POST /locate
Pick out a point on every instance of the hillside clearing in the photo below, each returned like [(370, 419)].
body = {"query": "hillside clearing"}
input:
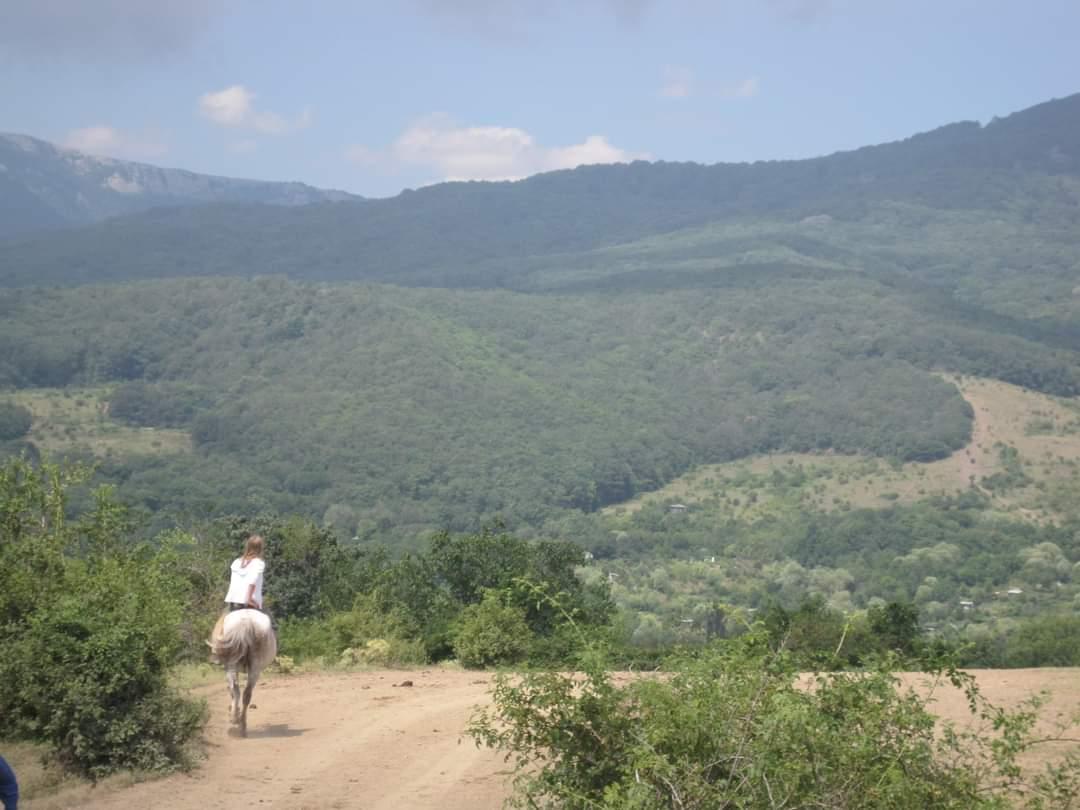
[(1032, 483), (74, 419)]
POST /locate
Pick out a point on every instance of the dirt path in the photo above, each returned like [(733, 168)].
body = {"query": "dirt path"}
[(333, 741), (358, 741), (978, 459)]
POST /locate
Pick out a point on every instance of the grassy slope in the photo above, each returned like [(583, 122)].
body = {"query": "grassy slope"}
[(76, 419), (1044, 430)]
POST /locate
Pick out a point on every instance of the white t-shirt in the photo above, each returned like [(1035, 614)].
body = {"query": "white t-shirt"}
[(243, 577)]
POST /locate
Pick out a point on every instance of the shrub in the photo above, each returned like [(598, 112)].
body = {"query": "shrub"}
[(380, 652), (491, 633), (88, 675), (737, 727), (88, 637), (365, 634), (15, 421), (154, 405), (1041, 641), (285, 665)]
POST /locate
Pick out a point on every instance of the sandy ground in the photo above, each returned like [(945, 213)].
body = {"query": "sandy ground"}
[(332, 741), (358, 740)]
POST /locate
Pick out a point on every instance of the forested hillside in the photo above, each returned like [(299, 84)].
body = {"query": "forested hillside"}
[(419, 409), (536, 351)]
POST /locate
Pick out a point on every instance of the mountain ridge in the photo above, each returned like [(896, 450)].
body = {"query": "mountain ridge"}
[(475, 234), (44, 186)]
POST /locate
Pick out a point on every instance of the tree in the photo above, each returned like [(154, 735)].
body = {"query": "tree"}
[(896, 627), (15, 421), (471, 564), (491, 633)]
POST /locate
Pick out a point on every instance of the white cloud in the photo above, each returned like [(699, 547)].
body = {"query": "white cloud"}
[(234, 107), (747, 88), (111, 142), (229, 107), (485, 153), (594, 149), (678, 82)]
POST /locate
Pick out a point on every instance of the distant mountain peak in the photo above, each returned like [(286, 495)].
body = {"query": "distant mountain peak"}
[(45, 185)]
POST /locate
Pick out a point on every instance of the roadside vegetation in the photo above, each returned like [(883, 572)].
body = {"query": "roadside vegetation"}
[(94, 620), (739, 725)]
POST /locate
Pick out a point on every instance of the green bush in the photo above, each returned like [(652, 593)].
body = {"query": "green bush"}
[(353, 632), (381, 652), (491, 633), (90, 629), (307, 639), (15, 421), (1041, 641), (88, 675), (737, 726), (155, 405)]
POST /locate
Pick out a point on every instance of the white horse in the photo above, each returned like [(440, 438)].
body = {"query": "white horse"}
[(244, 640)]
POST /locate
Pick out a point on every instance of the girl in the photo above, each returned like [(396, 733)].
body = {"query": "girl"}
[(245, 584)]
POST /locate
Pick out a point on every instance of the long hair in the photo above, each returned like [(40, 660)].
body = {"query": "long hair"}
[(253, 547), (244, 639)]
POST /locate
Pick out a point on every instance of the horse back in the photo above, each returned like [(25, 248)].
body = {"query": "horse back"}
[(244, 639)]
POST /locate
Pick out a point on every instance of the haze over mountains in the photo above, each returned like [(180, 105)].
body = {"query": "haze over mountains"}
[(43, 186), (459, 234)]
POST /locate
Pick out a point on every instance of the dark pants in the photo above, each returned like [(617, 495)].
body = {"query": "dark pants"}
[(236, 606), (9, 788)]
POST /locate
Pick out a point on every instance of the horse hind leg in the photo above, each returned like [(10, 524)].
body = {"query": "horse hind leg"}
[(249, 690), (233, 680)]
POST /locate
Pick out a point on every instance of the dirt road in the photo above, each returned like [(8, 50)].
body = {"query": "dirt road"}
[(332, 741), (357, 740)]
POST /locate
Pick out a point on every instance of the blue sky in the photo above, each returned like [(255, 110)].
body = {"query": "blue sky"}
[(374, 97)]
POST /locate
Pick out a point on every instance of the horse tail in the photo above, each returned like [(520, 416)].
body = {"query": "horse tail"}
[(244, 643), (230, 646)]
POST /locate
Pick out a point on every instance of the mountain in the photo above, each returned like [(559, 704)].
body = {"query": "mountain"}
[(857, 374), (475, 234), (43, 186)]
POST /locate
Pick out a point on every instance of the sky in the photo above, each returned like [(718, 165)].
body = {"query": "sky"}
[(374, 97)]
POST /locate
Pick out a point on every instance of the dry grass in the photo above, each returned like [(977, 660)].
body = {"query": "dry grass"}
[(35, 777), (1044, 430), (1009, 688), (70, 419)]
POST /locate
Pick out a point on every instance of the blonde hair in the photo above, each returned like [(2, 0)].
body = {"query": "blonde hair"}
[(253, 547)]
